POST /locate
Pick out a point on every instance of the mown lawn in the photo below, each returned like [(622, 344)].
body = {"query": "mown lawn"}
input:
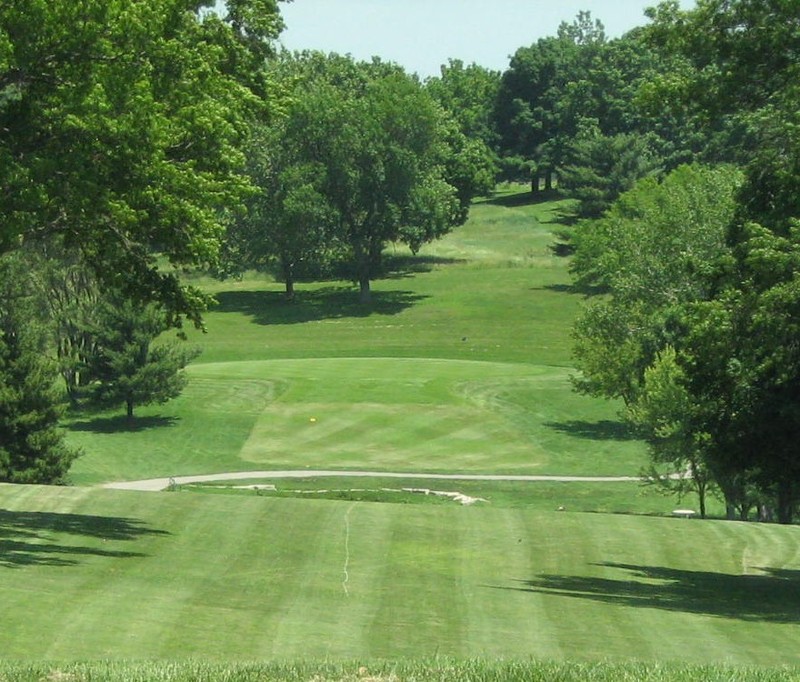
[(94, 574)]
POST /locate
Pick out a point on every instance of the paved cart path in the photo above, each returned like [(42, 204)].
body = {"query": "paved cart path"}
[(156, 484)]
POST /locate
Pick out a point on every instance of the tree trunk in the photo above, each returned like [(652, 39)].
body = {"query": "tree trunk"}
[(785, 501), (287, 270), (548, 180), (701, 496), (366, 292), (129, 407), (534, 183)]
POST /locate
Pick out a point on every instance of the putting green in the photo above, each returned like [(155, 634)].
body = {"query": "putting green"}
[(418, 415)]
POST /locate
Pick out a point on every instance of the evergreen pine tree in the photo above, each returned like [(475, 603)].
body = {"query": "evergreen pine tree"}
[(126, 366), (32, 448)]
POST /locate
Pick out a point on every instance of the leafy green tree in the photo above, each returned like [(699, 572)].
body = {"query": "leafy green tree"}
[(738, 80), (729, 59), (526, 112), (746, 367), (122, 125), (599, 168), (655, 254), (68, 293), (741, 52), (771, 195), (381, 141), (289, 225), (666, 414), (32, 447), (557, 84), (468, 93), (469, 166), (128, 366)]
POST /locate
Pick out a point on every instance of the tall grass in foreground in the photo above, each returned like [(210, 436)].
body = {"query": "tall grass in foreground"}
[(436, 670)]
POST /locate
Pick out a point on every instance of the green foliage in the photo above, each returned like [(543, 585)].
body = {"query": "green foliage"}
[(660, 241), (32, 447), (743, 367), (771, 195), (656, 252), (741, 52), (730, 60), (467, 93), (122, 125), (552, 88), (125, 365), (289, 225), (667, 416), (599, 168), (379, 143), (68, 293)]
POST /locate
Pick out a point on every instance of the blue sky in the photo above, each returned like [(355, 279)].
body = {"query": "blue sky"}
[(421, 35)]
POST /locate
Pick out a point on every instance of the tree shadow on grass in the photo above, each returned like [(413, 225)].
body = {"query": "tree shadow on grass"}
[(401, 265), (47, 538), (557, 288), (268, 307), (772, 595), (523, 198), (605, 429), (121, 424)]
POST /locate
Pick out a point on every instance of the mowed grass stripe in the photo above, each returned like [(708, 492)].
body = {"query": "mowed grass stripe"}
[(497, 626), (169, 575), (421, 609), (312, 613)]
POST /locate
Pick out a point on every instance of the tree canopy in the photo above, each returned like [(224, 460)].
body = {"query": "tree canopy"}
[(364, 157), (122, 130)]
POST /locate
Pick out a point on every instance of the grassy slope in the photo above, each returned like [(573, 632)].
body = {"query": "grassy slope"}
[(96, 574), (462, 365)]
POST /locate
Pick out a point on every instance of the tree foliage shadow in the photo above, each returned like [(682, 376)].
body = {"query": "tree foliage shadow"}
[(269, 307), (558, 288), (36, 538), (401, 265), (605, 429), (121, 424), (772, 596), (526, 198)]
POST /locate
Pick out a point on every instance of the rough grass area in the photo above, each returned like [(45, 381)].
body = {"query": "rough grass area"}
[(607, 497), (434, 670)]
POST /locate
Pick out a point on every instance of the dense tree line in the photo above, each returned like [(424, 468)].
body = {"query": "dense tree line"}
[(698, 333)]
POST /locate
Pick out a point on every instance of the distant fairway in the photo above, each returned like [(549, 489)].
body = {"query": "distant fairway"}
[(94, 574), (460, 365)]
